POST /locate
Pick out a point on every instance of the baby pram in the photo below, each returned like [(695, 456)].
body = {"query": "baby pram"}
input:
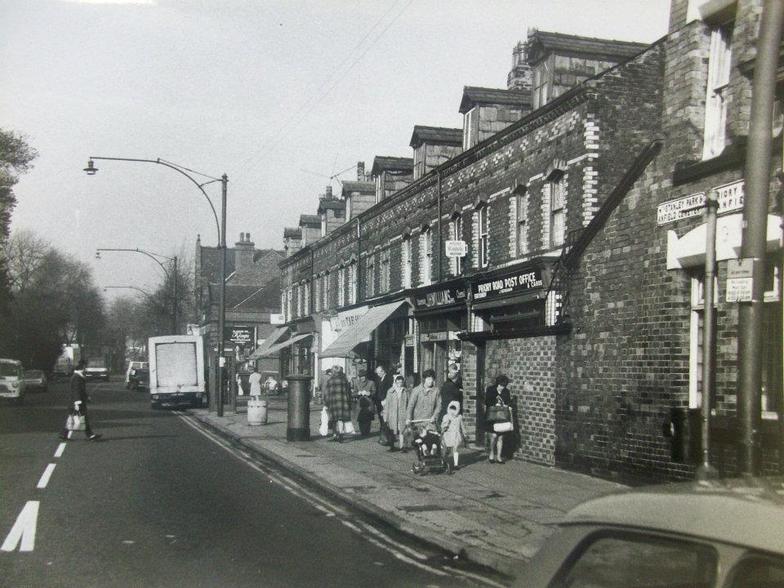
[(429, 451)]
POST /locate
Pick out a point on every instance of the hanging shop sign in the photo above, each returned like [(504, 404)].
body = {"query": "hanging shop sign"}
[(239, 335), (517, 283), (431, 337), (438, 298), (730, 197)]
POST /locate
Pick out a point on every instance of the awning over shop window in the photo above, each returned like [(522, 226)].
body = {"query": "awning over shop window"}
[(359, 331), (501, 303), (274, 337), (287, 343)]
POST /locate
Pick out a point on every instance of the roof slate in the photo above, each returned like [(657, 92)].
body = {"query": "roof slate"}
[(310, 219), (331, 203), (292, 233), (573, 44), (440, 135), (474, 95), (383, 163), (361, 187)]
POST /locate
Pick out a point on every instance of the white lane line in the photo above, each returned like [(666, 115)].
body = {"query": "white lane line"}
[(23, 531), (60, 449), (46, 475), (384, 537), (477, 577)]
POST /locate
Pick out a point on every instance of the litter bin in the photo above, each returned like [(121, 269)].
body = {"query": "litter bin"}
[(257, 411), (298, 422)]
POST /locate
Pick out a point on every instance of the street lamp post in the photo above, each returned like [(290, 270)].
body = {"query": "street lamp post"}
[(154, 257), (221, 226)]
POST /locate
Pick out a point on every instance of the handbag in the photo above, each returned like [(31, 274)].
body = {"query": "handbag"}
[(324, 426), (498, 414), (505, 427)]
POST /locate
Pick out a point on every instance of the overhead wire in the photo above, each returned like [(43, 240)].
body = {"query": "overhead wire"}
[(307, 106)]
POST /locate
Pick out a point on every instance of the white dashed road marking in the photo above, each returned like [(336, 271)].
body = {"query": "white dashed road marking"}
[(23, 532), (60, 449), (46, 475)]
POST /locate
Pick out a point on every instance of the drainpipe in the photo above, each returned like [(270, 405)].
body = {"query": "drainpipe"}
[(755, 210), (705, 471)]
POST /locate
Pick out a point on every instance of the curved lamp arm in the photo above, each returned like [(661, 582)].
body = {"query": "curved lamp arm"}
[(91, 169)]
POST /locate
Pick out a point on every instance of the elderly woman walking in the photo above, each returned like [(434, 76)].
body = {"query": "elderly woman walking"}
[(337, 399), (395, 407)]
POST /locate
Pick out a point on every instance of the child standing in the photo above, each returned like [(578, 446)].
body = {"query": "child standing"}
[(453, 432)]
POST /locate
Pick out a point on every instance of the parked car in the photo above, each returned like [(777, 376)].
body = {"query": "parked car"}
[(708, 534), (141, 380), (35, 380), (96, 370), (129, 373), (12, 385)]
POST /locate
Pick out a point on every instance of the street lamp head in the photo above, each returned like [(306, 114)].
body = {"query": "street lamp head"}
[(90, 169)]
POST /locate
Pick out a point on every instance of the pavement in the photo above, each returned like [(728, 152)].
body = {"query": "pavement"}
[(496, 515)]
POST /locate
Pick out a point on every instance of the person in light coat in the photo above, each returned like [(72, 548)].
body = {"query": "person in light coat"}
[(395, 406), (453, 433)]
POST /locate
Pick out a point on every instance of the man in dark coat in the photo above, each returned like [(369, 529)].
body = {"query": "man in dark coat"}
[(451, 390), (337, 399), (385, 381), (79, 400)]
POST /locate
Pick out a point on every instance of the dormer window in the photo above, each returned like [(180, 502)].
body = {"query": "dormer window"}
[(541, 85), (470, 127)]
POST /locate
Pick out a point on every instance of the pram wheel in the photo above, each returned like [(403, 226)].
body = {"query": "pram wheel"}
[(418, 467)]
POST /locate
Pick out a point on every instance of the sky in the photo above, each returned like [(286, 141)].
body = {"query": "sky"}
[(279, 95)]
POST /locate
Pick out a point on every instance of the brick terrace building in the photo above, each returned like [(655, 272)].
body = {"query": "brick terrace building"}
[(581, 279)]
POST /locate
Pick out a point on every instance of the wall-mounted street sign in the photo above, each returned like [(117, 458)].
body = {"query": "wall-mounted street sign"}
[(740, 274), (730, 197), (455, 248)]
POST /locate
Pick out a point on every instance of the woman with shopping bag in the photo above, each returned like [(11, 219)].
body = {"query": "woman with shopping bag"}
[(77, 413), (498, 416)]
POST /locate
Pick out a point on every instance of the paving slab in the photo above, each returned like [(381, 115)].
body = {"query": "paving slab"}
[(495, 515)]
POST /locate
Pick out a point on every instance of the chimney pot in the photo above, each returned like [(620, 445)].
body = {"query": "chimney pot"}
[(361, 171), (329, 192)]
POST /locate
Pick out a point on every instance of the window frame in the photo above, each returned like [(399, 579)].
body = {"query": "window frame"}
[(521, 222), (456, 228), (426, 256), (483, 231), (406, 275), (557, 188), (717, 90)]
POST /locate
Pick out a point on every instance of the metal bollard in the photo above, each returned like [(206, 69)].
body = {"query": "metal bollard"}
[(298, 422)]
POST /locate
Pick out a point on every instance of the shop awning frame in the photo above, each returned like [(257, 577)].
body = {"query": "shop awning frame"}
[(282, 345), (276, 335), (359, 331)]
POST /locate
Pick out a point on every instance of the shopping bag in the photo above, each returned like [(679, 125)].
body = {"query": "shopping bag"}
[(349, 428), (75, 422), (498, 414), (502, 427), (324, 427)]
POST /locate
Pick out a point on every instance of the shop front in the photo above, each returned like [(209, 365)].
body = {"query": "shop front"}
[(440, 315), (515, 335)]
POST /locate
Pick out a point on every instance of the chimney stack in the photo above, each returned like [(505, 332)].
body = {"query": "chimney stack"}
[(360, 171), (328, 193)]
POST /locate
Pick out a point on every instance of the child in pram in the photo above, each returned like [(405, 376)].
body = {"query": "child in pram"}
[(429, 451)]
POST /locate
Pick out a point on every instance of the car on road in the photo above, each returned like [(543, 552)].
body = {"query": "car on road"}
[(141, 380), (35, 380), (12, 385), (705, 534), (130, 373), (96, 370)]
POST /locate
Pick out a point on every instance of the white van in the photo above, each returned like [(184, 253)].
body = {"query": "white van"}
[(12, 384)]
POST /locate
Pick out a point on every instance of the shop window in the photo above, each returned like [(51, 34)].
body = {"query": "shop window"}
[(696, 330), (406, 260), (483, 223), (557, 188), (352, 283), (717, 91), (425, 256), (521, 232), (370, 278), (456, 234), (383, 272)]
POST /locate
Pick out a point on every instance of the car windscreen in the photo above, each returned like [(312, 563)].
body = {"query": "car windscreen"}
[(8, 369)]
